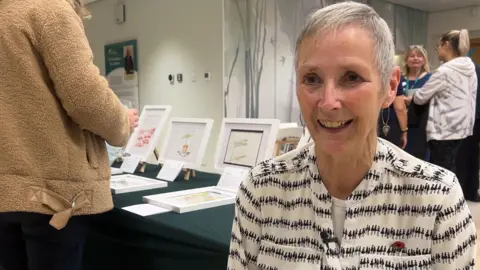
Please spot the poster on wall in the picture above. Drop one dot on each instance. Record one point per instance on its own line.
(121, 68)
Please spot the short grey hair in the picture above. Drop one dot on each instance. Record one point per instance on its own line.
(333, 17)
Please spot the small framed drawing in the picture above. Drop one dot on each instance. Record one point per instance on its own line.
(131, 183)
(243, 143)
(306, 138)
(143, 140)
(200, 198)
(186, 141)
(287, 140)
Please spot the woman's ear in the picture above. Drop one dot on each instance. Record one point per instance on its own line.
(392, 88)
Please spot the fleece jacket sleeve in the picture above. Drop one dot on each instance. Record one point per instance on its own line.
(435, 84)
(82, 91)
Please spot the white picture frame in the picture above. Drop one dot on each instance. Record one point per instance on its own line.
(202, 198)
(287, 125)
(186, 141)
(130, 183)
(193, 199)
(145, 137)
(255, 137)
(287, 140)
(115, 171)
(306, 138)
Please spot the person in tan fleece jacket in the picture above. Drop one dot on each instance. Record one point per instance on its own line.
(56, 112)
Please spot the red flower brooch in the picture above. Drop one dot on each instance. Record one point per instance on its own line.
(398, 245)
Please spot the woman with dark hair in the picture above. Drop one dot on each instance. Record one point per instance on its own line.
(56, 114)
(451, 93)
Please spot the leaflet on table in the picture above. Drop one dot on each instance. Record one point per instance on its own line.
(201, 198)
(170, 170)
(145, 209)
(231, 178)
(130, 183)
(130, 163)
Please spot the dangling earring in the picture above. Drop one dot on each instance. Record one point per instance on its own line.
(300, 119)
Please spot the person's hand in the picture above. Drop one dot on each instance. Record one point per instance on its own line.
(403, 140)
(132, 119)
(408, 100)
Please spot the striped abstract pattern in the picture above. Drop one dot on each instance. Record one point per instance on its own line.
(282, 209)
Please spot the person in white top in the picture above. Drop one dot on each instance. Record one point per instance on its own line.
(349, 200)
(451, 93)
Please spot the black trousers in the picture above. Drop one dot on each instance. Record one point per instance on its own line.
(468, 164)
(444, 153)
(28, 242)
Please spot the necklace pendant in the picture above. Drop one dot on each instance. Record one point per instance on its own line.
(385, 129)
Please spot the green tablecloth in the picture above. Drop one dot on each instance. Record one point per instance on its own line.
(195, 240)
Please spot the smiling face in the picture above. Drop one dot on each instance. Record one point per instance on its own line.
(415, 59)
(339, 90)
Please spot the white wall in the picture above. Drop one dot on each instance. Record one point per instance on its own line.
(441, 22)
(174, 36)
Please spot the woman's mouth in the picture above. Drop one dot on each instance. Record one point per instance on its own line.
(334, 125)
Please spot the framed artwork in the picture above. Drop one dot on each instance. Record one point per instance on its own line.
(243, 147)
(306, 138)
(287, 125)
(201, 198)
(287, 140)
(244, 142)
(115, 171)
(131, 183)
(186, 141)
(143, 140)
(192, 200)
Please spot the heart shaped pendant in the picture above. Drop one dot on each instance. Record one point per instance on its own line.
(385, 129)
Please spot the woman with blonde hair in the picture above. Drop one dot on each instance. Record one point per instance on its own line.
(416, 72)
(451, 93)
(56, 114)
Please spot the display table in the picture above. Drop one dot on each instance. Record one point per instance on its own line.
(197, 240)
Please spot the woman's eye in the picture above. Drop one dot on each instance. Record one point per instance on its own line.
(351, 77)
(311, 79)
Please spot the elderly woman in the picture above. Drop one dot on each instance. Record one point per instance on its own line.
(56, 114)
(349, 200)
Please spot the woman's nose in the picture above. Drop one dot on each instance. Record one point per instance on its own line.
(329, 99)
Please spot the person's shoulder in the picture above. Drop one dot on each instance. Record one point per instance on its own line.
(37, 13)
(45, 11)
(291, 162)
(49, 5)
(410, 171)
(288, 167)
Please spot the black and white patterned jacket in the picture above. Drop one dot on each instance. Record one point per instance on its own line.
(283, 209)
